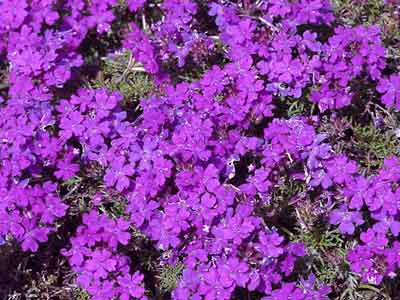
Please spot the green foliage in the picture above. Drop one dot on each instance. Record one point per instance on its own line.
(114, 205)
(357, 12)
(297, 108)
(367, 137)
(169, 276)
(123, 74)
(376, 144)
(76, 193)
(280, 204)
(287, 189)
(290, 107)
(81, 295)
(323, 240)
(72, 182)
(327, 251)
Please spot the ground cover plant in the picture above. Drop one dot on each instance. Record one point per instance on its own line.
(199, 149)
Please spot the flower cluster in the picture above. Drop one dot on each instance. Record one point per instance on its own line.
(199, 161)
(100, 269)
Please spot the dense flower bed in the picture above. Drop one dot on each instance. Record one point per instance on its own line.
(195, 167)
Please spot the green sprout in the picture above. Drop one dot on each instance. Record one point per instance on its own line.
(169, 276)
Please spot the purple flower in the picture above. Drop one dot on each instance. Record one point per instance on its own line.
(390, 88)
(340, 169)
(287, 291)
(310, 287)
(216, 284)
(393, 255)
(347, 220)
(53, 209)
(374, 239)
(118, 174)
(66, 169)
(134, 5)
(237, 270)
(33, 236)
(14, 13)
(131, 286)
(357, 191)
(71, 125)
(270, 245)
(386, 224)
